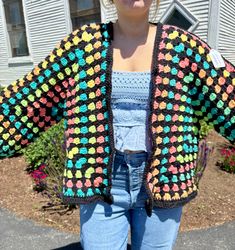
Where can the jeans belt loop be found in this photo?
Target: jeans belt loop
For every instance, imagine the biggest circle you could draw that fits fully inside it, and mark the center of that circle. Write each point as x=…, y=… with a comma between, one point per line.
x=149, y=207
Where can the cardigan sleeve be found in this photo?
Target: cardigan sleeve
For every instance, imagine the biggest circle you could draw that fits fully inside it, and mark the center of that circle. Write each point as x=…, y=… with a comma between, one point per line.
x=214, y=89
x=35, y=102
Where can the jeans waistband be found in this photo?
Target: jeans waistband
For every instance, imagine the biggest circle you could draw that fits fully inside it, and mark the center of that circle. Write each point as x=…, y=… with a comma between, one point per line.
x=135, y=152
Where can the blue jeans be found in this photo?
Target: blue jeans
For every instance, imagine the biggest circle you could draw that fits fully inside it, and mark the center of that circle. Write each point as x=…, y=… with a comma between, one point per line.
x=105, y=227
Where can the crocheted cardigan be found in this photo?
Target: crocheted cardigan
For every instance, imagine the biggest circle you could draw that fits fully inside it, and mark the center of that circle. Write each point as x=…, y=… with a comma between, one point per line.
x=74, y=82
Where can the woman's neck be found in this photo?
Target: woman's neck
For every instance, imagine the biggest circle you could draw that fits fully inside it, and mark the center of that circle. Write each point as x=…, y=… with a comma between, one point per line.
x=132, y=27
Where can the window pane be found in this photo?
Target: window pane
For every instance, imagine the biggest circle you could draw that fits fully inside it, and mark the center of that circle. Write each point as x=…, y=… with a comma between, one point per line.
x=83, y=12
x=176, y=18
x=16, y=27
x=84, y=5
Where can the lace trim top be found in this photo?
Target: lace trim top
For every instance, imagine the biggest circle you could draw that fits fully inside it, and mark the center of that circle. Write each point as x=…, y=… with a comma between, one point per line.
x=129, y=102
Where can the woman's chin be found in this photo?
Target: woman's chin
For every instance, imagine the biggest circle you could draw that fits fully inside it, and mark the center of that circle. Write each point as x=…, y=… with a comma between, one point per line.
x=133, y=6
x=136, y=7
x=134, y=3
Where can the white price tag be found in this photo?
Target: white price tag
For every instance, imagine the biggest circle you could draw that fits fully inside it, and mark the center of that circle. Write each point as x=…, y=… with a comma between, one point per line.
x=217, y=59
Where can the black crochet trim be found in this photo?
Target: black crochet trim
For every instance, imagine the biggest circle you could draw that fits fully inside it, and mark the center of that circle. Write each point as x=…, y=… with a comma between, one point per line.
x=154, y=73
x=109, y=197
x=68, y=200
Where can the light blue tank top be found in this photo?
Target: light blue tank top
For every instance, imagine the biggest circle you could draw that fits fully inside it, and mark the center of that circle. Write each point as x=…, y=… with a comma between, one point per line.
x=130, y=107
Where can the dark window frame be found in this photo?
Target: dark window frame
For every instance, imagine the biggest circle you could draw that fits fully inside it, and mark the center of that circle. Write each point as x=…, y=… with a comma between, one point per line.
x=177, y=5
x=83, y=16
x=16, y=31
x=173, y=19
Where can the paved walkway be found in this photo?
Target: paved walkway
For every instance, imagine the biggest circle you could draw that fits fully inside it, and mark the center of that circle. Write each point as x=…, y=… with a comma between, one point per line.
x=22, y=234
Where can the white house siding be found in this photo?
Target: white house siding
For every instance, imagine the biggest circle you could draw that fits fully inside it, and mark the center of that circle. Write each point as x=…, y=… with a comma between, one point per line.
x=48, y=21
x=200, y=9
x=47, y=24
x=226, y=41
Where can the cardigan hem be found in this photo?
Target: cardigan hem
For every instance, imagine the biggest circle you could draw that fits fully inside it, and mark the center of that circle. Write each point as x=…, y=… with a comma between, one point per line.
x=66, y=200
x=109, y=200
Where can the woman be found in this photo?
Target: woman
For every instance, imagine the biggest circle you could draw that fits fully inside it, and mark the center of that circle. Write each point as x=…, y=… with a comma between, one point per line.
x=133, y=45
x=132, y=94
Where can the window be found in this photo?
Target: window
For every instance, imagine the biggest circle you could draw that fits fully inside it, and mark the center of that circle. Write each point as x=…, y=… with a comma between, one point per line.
x=179, y=16
x=16, y=27
x=83, y=12
x=176, y=18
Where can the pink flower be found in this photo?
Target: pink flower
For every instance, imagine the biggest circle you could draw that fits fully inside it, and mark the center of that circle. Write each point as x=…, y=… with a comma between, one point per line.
x=228, y=152
x=223, y=151
x=232, y=163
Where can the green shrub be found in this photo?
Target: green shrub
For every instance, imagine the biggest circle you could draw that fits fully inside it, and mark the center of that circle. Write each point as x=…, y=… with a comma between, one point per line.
x=44, y=148
x=46, y=158
x=204, y=129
